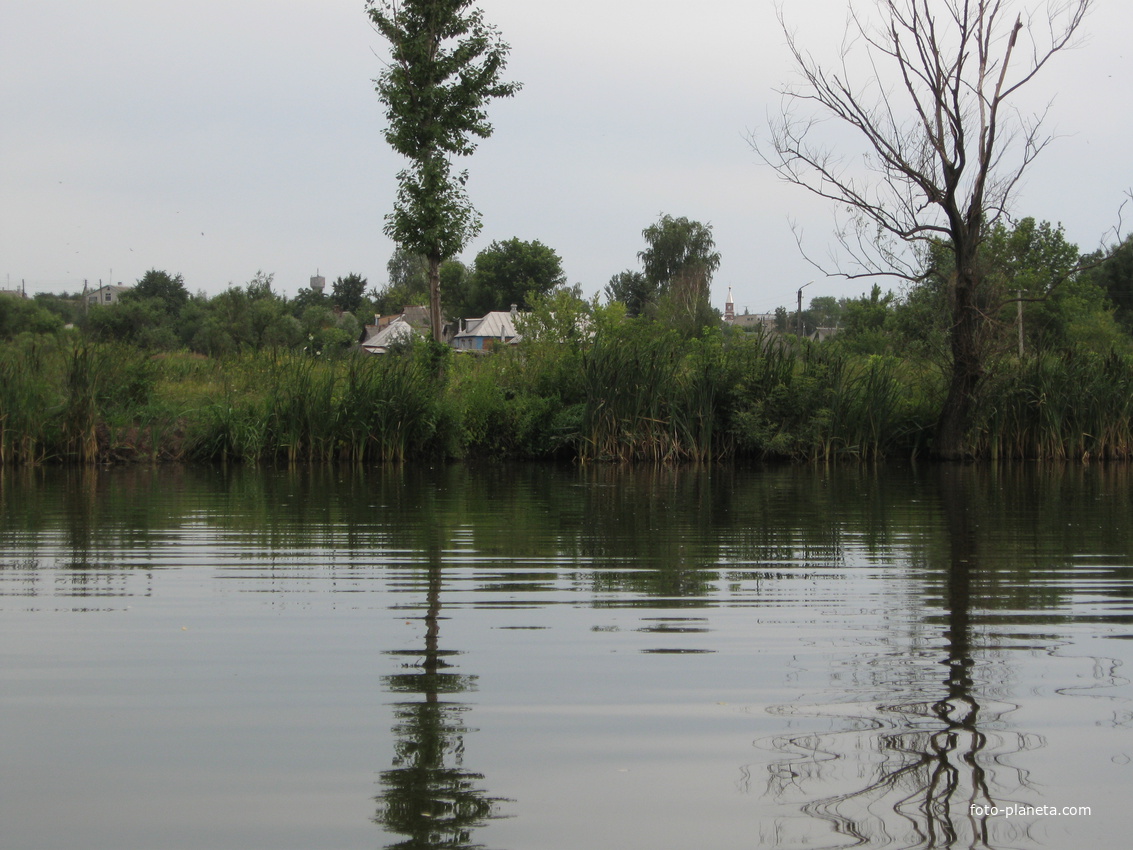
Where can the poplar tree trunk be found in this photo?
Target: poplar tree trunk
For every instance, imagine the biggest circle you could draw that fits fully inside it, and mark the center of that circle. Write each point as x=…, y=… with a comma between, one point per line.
x=435, y=299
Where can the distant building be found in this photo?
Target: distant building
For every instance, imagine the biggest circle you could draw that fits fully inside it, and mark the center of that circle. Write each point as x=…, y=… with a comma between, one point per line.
x=387, y=330
x=415, y=315
x=729, y=308
x=14, y=293
x=108, y=294
x=496, y=328
x=751, y=321
x=396, y=331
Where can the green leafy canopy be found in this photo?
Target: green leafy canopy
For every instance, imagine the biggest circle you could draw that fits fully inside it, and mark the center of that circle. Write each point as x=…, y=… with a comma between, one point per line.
x=444, y=69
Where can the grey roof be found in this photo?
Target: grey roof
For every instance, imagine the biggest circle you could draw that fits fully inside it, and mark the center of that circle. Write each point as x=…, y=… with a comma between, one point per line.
x=396, y=331
x=496, y=325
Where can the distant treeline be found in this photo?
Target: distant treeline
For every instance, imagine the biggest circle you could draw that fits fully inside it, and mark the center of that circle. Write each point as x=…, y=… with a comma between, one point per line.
x=607, y=388
x=284, y=381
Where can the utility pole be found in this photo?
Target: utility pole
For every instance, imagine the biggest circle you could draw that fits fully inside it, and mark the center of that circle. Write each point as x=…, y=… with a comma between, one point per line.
x=800, y=313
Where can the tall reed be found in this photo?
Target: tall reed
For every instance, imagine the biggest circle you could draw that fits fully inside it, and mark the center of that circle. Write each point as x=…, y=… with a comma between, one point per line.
x=1058, y=405
x=390, y=406
x=651, y=395
x=301, y=409
x=866, y=408
x=629, y=376
x=360, y=408
x=25, y=401
x=85, y=373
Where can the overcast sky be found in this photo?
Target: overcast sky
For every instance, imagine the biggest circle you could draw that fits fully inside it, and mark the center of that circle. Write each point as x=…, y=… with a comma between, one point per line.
x=222, y=137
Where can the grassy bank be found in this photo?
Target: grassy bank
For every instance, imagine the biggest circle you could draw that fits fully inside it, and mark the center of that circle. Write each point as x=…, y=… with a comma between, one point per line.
x=626, y=391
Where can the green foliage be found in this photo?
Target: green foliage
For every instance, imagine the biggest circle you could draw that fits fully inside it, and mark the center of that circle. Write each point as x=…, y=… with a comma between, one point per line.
x=68, y=308
x=347, y=292
x=555, y=336
x=585, y=382
x=1114, y=275
x=525, y=401
x=244, y=318
x=259, y=287
x=678, y=248
x=444, y=69
x=19, y=315
x=1035, y=261
x=408, y=283
x=307, y=298
x=1061, y=305
x=506, y=273
x=919, y=324
x=137, y=321
x=781, y=319
x=865, y=321
x=282, y=331
x=407, y=270
x=825, y=312
x=390, y=407
x=690, y=316
x=824, y=403
x=328, y=331
x=169, y=290
x=633, y=290
x=98, y=380
x=678, y=263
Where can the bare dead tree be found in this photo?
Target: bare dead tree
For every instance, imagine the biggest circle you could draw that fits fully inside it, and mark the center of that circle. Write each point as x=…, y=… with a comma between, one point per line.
x=930, y=87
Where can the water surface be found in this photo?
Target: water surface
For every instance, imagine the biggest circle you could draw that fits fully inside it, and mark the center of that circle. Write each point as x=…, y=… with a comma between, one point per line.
x=527, y=657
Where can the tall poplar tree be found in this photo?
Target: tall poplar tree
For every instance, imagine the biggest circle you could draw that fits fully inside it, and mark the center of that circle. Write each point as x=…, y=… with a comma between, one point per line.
x=444, y=69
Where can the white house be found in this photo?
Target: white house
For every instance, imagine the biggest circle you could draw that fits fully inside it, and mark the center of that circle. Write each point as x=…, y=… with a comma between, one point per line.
x=108, y=294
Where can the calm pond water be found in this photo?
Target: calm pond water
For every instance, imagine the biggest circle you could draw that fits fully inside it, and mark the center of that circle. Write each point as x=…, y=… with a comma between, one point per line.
x=547, y=658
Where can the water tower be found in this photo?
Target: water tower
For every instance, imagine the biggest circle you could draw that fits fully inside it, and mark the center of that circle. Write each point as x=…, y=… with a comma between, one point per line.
x=318, y=283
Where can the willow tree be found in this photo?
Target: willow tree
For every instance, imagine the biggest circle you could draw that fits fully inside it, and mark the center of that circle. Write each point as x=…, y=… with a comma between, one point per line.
x=928, y=87
x=444, y=68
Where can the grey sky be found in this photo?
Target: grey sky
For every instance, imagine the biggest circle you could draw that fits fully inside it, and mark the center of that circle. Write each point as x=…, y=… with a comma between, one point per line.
x=222, y=137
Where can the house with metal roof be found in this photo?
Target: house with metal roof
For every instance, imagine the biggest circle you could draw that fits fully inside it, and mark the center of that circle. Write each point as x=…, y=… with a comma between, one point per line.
x=483, y=334
x=399, y=330
x=399, y=327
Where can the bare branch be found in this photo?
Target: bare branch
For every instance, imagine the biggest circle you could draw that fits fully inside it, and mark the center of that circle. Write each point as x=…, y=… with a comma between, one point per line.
x=944, y=148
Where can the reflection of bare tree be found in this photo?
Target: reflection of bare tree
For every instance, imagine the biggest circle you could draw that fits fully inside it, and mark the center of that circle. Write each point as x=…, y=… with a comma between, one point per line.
x=427, y=796
x=925, y=762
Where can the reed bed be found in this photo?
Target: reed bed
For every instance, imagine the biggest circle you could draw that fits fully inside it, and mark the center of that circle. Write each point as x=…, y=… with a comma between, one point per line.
x=636, y=403
x=631, y=392
x=25, y=403
x=1069, y=405
x=870, y=409
x=357, y=409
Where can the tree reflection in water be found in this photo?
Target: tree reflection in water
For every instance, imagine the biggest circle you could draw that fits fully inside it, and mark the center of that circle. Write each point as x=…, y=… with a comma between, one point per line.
x=926, y=762
x=427, y=796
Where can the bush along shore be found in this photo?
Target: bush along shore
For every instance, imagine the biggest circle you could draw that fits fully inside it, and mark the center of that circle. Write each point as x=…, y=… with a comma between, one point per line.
x=621, y=390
